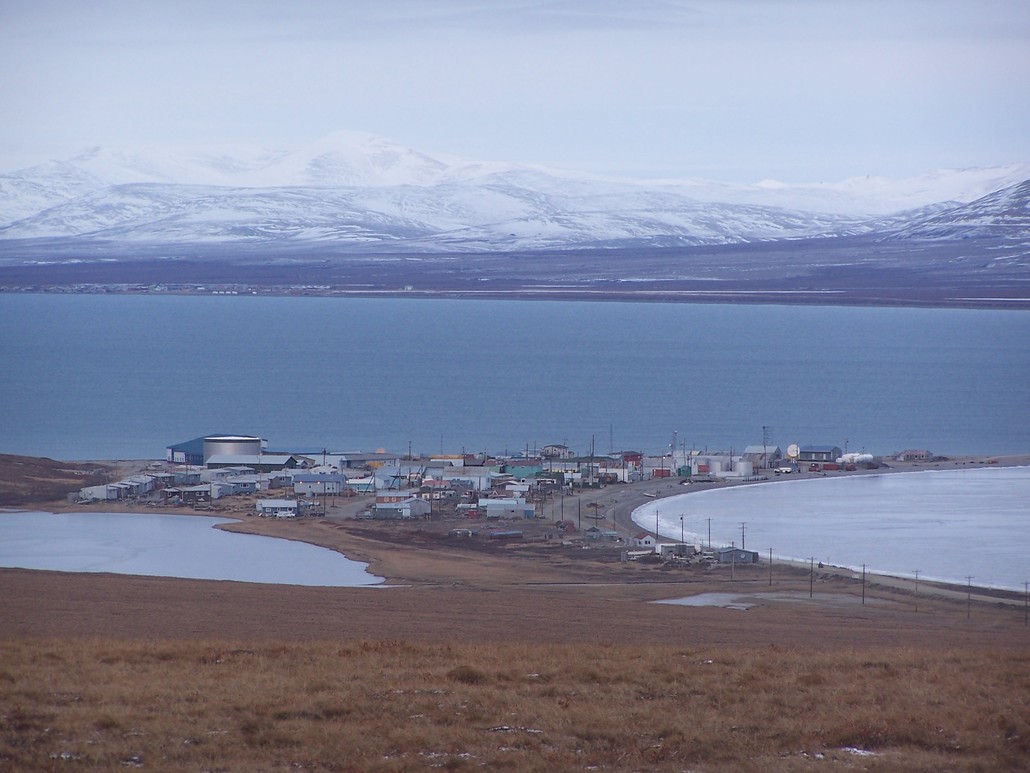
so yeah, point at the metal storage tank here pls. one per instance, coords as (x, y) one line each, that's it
(744, 468)
(235, 445)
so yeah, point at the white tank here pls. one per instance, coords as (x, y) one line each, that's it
(854, 458)
(744, 468)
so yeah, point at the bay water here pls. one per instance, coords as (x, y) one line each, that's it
(123, 376)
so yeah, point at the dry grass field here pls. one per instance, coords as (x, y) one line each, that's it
(396, 705)
(105, 672)
(28, 479)
(483, 657)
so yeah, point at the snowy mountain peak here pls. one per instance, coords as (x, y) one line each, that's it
(1002, 214)
(357, 188)
(346, 158)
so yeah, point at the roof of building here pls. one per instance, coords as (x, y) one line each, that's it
(762, 450)
(196, 445)
(378, 456)
(248, 460)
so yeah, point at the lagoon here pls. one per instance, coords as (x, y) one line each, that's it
(184, 546)
(948, 524)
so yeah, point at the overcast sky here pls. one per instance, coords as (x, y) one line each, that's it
(735, 90)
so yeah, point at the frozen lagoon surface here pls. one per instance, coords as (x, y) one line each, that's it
(945, 523)
(184, 546)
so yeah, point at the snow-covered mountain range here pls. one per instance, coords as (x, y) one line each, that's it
(361, 191)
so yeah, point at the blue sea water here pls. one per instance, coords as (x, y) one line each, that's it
(122, 376)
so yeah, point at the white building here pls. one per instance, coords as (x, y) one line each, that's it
(318, 484)
(644, 540)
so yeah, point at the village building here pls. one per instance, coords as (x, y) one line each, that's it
(819, 453)
(732, 555)
(678, 550)
(644, 540)
(556, 451)
(508, 507)
(260, 462)
(762, 457)
(913, 455)
(278, 508)
(405, 505)
(318, 484)
(197, 451)
(349, 461)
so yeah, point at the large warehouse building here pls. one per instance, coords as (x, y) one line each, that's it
(200, 449)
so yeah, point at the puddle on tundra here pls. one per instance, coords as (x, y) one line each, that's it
(745, 601)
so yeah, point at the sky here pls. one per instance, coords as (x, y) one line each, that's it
(730, 90)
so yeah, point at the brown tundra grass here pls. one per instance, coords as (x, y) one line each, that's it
(393, 705)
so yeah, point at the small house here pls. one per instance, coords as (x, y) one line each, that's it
(733, 555)
(402, 509)
(644, 540)
(914, 455)
(819, 453)
(277, 508)
(678, 550)
(317, 484)
(556, 451)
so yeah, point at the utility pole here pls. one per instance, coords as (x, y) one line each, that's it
(863, 584)
(770, 567)
(681, 530)
(917, 571)
(811, 576)
(709, 533)
(742, 524)
(969, 594)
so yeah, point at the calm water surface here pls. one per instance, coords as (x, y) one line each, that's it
(168, 546)
(948, 524)
(124, 376)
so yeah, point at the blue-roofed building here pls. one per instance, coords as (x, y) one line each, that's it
(188, 452)
(198, 450)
